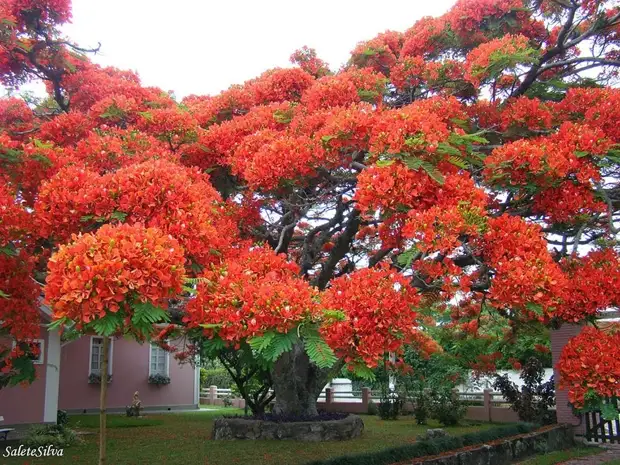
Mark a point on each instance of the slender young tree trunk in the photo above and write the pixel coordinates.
(102, 401)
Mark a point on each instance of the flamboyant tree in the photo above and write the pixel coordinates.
(467, 167)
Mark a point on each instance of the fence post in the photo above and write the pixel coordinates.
(365, 398)
(329, 398)
(212, 394)
(487, 404)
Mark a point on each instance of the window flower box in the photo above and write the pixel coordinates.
(95, 378)
(159, 380)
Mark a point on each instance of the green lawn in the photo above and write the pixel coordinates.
(562, 455)
(184, 438)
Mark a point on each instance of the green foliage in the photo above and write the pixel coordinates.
(145, 315)
(57, 436)
(363, 372)
(421, 408)
(271, 345)
(424, 448)
(62, 418)
(446, 407)
(215, 377)
(609, 411)
(390, 407)
(108, 324)
(317, 349)
(533, 400)
(372, 408)
(211, 347)
(22, 368)
(416, 163)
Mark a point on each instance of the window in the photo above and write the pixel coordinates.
(158, 361)
(96, 355)
(38, 358)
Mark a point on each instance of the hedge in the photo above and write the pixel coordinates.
(215, 377)
(429, 447)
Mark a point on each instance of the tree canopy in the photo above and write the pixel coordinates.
(464, 172)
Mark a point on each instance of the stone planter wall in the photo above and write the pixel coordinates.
(510, 450)
(333, 430)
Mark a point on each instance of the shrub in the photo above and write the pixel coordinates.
(430, 447)
(390, 406)
(533, 400)
(215, 377)
(372, 408)
(421, 408)
(62, 418)
(446, 408)
(50, 435)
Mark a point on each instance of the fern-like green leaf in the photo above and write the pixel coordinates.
(433, 172)
(319, 352)
(260, 343)
(279, 344)
(362, 371)
(458, 161)
(108, 325)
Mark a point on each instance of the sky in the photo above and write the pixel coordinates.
(204, 46)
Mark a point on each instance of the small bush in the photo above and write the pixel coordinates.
(62, 418)
(50, 435)
(446, 408)
(390, 407)
(430, 447)
(215, 377)
(533, 400)
(372, 408)
(421, 409)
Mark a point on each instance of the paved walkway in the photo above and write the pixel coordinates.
(612, 453)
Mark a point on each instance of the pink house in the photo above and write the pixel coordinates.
(37, 403)
(131, 365)
(63, 372)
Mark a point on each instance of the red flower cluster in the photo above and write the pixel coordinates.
(568, 202)
(19, 310)
(161, 194)
(589, 366)
(527, 280)
(14, 220)
(307, 60)
(378, 304)
(594, 285)
(250, 294)
(514, 49)
(98, 272)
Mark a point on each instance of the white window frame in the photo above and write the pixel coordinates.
(90, 356)
(166, 359)
(41, 359)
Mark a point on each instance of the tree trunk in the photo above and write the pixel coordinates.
(297, 383)
(102, 401)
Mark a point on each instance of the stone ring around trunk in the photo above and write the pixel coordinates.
(343, 429)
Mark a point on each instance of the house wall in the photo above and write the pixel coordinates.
(559, 338)
(26, 404)
(130, 371)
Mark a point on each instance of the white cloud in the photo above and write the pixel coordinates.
(202, 47)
